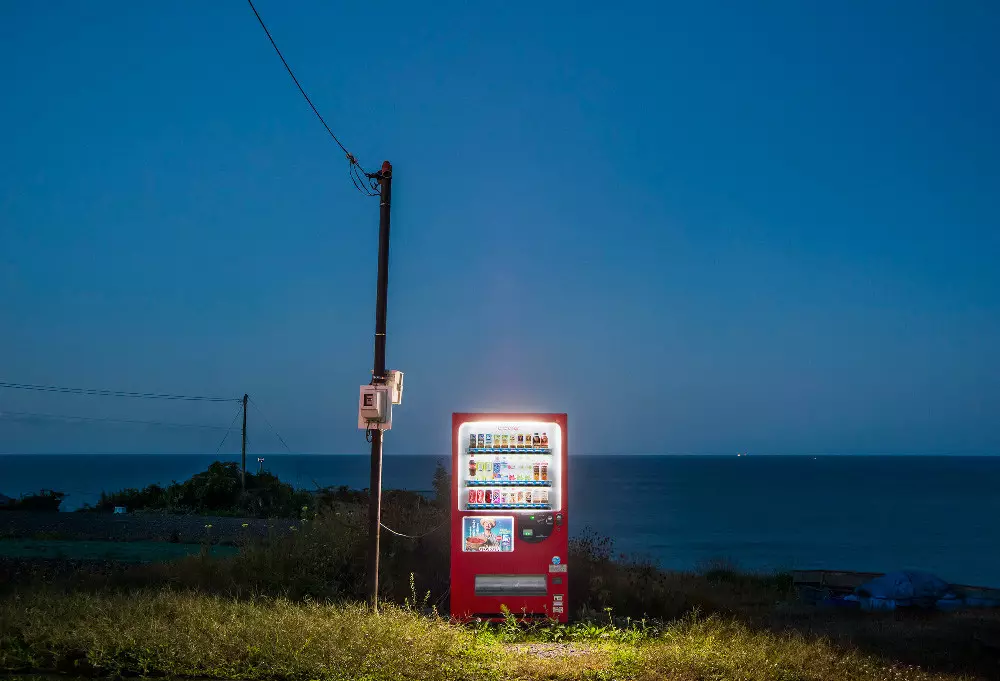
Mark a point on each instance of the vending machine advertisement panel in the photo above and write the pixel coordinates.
(509, 530)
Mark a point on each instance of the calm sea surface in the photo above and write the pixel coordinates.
(857, 513)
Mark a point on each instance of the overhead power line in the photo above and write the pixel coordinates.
(114, 393)
(229, 429)
(364, 182)
(276, 433)
(96, 419)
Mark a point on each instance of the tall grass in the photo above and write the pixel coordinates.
(183, 634)
(186, 634)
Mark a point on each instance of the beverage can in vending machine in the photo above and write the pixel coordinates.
(520, 440)
(489, 441)
(520, 496)
(480, 496)
(536, 441)
(527, 496)
(472, 496)
(489, 497)
(497, 439)
(543, 496)
(505, 441)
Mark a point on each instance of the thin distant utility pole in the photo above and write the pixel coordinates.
(384, 178)
(243, 458)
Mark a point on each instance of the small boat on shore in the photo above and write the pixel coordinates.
(847, 589)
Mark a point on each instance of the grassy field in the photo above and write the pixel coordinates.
(183, 634)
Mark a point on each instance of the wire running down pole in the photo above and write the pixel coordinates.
(384, 177)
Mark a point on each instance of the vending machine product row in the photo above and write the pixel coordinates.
(509, 534)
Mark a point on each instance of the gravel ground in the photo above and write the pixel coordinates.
(550, 650)
(135, 527)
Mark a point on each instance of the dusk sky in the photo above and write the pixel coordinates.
(697, 228)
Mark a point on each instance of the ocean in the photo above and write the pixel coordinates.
(761, 512)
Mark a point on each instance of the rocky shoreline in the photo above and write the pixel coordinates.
(138, 527)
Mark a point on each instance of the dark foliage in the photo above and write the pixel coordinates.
(45, 500)
(215, 491)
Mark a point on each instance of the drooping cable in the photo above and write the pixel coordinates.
(273, 430)
(4, 413)
(230, 428)
(413, 536)
(114, 393)
(352, 160)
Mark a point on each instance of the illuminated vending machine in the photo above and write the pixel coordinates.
(508, 516)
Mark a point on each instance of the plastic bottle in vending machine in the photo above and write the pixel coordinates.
(496, 467)
(472, 468)
(545, 471)
(472, 440)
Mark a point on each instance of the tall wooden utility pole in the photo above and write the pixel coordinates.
(384, 177)
(243, 458)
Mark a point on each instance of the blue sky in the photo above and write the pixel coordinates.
(695, 227)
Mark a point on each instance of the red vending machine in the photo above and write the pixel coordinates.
(509, 533)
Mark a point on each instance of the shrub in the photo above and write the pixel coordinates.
(45, 500)
(217, 491)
